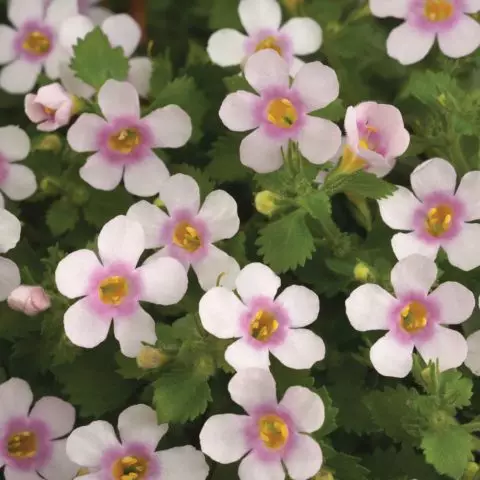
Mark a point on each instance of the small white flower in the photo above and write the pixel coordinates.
(188, 232)
(123, 141)
(29, 439)
(261, 20)
(262, 322)
(90, 9)
(473, 357)
(414, 318)
(273, 434)
(33, 44)
(114, 288)
(96, 446)
(10, 228)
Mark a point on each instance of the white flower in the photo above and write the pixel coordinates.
(262, 322)
(473, 357)
(29, 299)
(114, 287)
(272, 434)
(123, 141)
(414, 318)
(97, 447)
(122, 31)
(29, 439)
(10, 228)
(33, 43)
(189, 231)
(261, 19)
(436, 216)
(91, 9)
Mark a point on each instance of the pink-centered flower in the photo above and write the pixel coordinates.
(261, 20)
(123, 141)
(31, 444)
(188, 232)
(272, 434)
(262, 323)
(28, 299)
(437, 216)
(50, 108)
(414, 318)
(17, 182)
(280, 112)
(33, 43)
(114, 287)
(425, 20)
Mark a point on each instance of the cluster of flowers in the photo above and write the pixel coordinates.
(237, 304)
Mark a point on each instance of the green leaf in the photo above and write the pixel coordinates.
(62, 216)
(286, 377)
(128, 368)
(96, 61)
(103, 206)
(455, 390)
(330, 424)
(225, 165)
(287, 243)
(224, 14)
(317, 204)
(334, 112)
(344, 466)
(237, 82)
(162, 74)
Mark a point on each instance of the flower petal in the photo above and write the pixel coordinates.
(122, 31)
(301, 304)
(164, 281)
(405, 244)
(180, 192)
(60, 10)
(252, 467)
(266, 69)
(415, 273)
(7, 50)
(226, 47)
(256, 280)
(462, 250)
(19, 11)
(222, 437)
(261, 153)
(83, 327)
(185, 462)
(82, 135)
(19, 76)
(134, 330)
(390, 357)
(456, 302)
(140, 74)
(10, 228)
(237, 111)
(305, 408)
(86, 445)
(461, 40)
(467, 193)
(20, 183)
(117, 99)
(253, 387)
(100, 173)
(54, 61)
(152, 220)
(305, 34)
(305, 458)
(15, 399)
(471, 6)
(14, 143)
(11, 473)
(434, 175)
(389, 8)
(241, 355)
(170, 126)
(121, 240)
(74, 85)
(216, 269)
(473, 357)
(368, 307)
(9, 277)
(220, 311)
(259, 14)
(138, 423)
(398, 210)
(145, 178)
(56, 413)
(73, 29)
(59, 465)
(319, 139)
(408, 44)
(447, 346)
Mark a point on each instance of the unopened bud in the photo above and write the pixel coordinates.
(471, 471)
(362, 272)
(426, 375)
(49, 186)
(31, 300)
(265, 202)
(78, 105)
(292, 5)
(80, 195)
(442, 99)
(151, 357)
(50, 143)
(159, 203)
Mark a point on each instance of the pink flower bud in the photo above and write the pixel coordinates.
(31, 300)
(50, 108)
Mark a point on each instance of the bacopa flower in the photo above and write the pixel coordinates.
(376, 136)
(114, 287)
(135, 457)
(91, 9)
(261, 19)
(425, 20)
(272, 434)
(122, 31)
(33, 43)
(123, 142)
(51, 107)
(30, 440)
(30, 300)
(262, 322)
(189, 231)
(280, 112)
(473, 356)
(436, 216)
(414, 318)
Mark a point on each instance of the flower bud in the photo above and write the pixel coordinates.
(265, 202)
(31, 300)
(151, 357)
(159, 203)
(51, 143)
(292, 5)
(362, 272)
(471, 471)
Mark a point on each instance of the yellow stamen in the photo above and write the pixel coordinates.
(36, 43)
(438, 10)
(22, 445)
(439, 220)
(130, 468)
(273, 431)
(282, 113)
(125, 141)
(187, 237)
(263, 326)
(113, 290)
(413, 317)
(269, 43)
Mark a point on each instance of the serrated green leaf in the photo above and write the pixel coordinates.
(225, 165)
(330, 424)
(161, 75)
(455, 390)
(317, 204)
(62, 216)
(346, 467)
(95, 61)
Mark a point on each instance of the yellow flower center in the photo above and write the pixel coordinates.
(413, 317)
(49, 111)
(273, 431)
(438, 10)
(439, 220)
(263, 326)
(187, 237)
(125, 141)
(37, 43)
(365, 141)
(130, 468)
(269, 42)
(350, 161)
(22, 445)
(282, 113)
(113, 290)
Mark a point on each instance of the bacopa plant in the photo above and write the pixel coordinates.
(239, 239)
